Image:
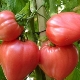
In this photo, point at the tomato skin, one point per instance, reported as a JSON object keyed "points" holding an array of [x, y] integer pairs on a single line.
{"points": [[58, 62], [18, 58], [63, 28], [9, 28]]}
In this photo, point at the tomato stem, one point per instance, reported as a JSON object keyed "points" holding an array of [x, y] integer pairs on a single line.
{"points": [[52, 45], [39, 74], [23, 37], [19, 16]]}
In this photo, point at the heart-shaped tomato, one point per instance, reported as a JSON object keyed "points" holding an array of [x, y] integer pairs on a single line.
{"points": [[9, 28], [18, 58], [58, 62], [63, 28]]}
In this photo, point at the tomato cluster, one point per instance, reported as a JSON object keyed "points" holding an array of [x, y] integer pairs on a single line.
{"points": [[17, 58], [62, 30]]}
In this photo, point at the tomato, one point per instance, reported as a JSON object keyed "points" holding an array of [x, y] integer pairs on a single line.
{"points": [[58, 62], [63, 28], [18, 58], [9, 28]]}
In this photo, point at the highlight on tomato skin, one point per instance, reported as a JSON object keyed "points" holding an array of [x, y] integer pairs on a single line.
{"points": [[18, 59], [58, 62], [63, 28], [9, 28]]}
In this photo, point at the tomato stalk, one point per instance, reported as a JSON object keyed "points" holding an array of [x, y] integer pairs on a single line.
{"points": [[53, 8], [33, 29], [39, 74]]}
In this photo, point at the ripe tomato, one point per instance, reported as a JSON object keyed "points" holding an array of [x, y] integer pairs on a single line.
{"points": [[18, 58], [63, 28], [58, 62], [9, 28]]}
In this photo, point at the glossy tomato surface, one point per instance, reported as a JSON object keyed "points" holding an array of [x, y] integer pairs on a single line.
{"points": [[63, 28], [58, 62], [18, 58], [9, 28]]}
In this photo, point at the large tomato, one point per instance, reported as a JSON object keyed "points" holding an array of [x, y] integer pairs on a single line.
{"points": [[18, 58], [58, 62], [9, 28], [63, 28]]}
